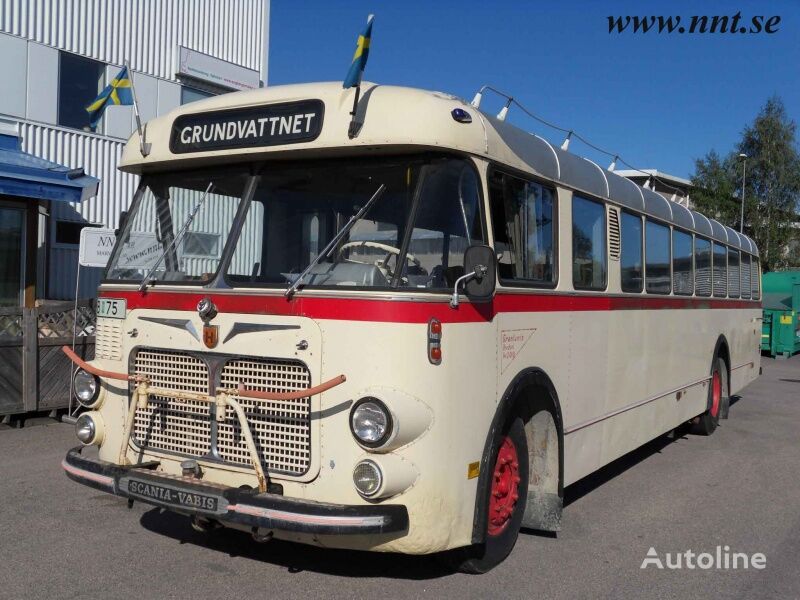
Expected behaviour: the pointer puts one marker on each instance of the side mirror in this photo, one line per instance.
(480, 274)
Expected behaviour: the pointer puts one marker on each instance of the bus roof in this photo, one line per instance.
(313, 120)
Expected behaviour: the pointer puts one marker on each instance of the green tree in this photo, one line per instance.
(714, 192)
(772, 185)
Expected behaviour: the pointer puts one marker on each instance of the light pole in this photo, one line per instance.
(743, 156)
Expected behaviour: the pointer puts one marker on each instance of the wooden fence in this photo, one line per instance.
(34, 373)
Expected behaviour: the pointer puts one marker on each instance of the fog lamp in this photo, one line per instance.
(89, 428)
(367, 478)
(370, 422)
(86, 387)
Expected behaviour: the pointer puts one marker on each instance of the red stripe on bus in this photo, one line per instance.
(411, 311)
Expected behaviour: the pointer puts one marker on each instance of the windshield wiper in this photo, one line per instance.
(176, 239)
(336, 239)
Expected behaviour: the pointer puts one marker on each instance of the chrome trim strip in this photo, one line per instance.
(184, 324)
(614, 413)
(83, 474)
(282, 515)
(255, 328)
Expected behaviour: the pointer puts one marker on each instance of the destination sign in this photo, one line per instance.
(272, 125)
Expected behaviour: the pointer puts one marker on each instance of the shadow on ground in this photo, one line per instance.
(296, 558)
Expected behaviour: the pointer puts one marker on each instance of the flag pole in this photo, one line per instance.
(355, 126)
(144, 147)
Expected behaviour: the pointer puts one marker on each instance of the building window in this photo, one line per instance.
(69, 232)
(745, 276)
(657, 280)
(522, 213)
(589, 258)
(80, 80)
(631, 257)
(720, 271)
(702, 267)
(193, 95)
(682, 277)
(205, 245)
(733, 273)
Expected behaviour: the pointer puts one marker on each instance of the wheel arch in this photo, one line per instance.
(722, 350)
(531, 388)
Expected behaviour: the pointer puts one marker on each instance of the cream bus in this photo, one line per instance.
(411, 339)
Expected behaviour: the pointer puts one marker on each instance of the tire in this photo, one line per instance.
(506, 505)
(707, 423)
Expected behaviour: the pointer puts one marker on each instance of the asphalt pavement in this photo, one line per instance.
(739, 488)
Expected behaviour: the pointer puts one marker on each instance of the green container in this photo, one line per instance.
(780, 329)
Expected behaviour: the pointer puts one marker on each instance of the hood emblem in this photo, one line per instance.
(207, 311)
(210, 335)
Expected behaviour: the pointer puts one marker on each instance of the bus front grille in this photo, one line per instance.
(281, 429)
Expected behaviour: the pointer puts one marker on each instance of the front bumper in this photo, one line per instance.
(268, 511)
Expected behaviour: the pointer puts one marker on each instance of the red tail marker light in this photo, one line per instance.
(435, 341)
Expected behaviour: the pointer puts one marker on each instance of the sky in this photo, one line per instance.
(658, 100)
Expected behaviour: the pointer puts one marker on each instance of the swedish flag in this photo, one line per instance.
(353, 78)
(117, 92)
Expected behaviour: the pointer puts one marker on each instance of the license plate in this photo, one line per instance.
(172, 496)
(113, 308)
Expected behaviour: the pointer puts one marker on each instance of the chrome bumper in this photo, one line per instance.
(268, 511)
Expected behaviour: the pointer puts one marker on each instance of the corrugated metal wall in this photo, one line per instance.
(147, 32)
(98, 156)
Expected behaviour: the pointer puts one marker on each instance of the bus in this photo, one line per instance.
(406, 329)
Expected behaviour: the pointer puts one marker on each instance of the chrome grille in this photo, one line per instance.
(281, 429)
(180, 426)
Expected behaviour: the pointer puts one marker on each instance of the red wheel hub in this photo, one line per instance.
(716, 393)
(504, 493)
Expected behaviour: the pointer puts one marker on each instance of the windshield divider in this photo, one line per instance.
(409, 230)
(218, 282)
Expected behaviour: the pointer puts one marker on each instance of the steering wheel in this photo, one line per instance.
(385, 247)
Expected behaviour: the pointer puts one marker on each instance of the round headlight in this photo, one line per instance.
(367, 478)
(86, 387)
(370, 422)
(89, 429)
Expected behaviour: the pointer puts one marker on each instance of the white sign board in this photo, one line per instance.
(141, 251)
(96, 246)
(215, 71)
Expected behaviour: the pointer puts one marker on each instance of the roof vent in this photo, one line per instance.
(613, 233)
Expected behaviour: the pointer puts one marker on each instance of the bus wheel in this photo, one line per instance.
(506, 506)
(707, 423)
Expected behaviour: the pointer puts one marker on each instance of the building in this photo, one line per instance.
(59, 54)
(671, 187)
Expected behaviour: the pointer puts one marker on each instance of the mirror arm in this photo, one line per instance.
(479, 273)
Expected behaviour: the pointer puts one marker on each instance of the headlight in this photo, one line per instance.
(89, 428)
(367, 478)
(86, 387)
(370, 422)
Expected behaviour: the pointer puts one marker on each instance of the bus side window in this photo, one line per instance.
(745, 276)
(720, 271)
(682, 279)
(657, 280)
(631, 256)
(755, 279)
(589, 256)
(733, 273)
(523, 225)
(702, 266)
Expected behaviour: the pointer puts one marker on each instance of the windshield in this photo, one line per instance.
(413, 234)
(177, 228)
